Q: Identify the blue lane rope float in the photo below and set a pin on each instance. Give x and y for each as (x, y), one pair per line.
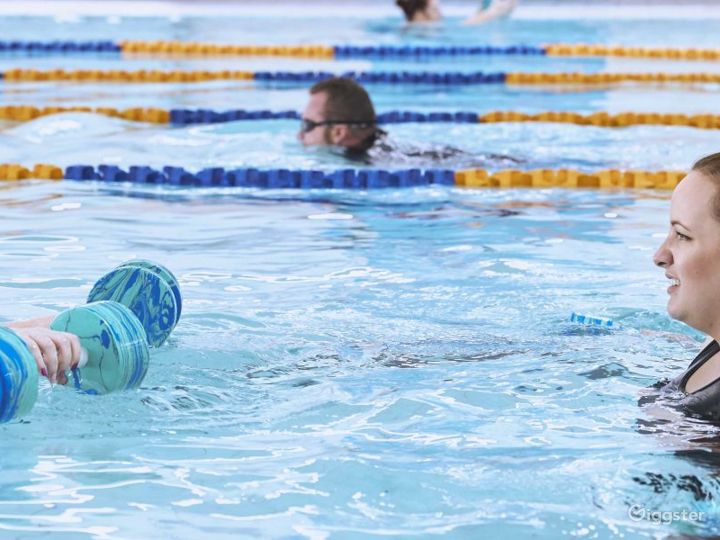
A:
(192, 49)
(424, 51)
(351, 178)
(380, 77)
(31, 48)
(258, 178)
(181, 117)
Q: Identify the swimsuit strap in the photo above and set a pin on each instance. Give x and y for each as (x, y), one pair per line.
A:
(703, 356)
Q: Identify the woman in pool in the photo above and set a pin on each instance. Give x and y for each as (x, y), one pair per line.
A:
(690, 255)
(55, 352)
(420, 11)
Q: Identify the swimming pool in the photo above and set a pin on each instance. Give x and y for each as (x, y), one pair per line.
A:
(356, 364)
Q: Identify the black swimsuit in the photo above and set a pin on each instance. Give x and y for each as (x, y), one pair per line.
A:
(704, 402)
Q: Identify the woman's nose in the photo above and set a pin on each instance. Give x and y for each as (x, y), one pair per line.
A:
(662, 257)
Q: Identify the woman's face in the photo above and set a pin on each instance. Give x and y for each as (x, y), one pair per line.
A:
(690, 256)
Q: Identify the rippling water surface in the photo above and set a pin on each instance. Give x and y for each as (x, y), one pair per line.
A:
(357, 365)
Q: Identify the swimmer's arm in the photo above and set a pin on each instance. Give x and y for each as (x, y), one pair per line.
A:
(493, 11)
(43, 322)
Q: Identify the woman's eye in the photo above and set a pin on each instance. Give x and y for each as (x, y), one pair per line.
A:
(681, 236)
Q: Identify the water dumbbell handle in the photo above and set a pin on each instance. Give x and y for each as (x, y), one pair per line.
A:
(83, 358)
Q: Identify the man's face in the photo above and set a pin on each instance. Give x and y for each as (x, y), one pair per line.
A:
(315, 111)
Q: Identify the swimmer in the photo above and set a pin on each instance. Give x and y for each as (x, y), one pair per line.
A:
(423, 11)
(340, 114)
(420, 11)
(689, 256)
(54, 352)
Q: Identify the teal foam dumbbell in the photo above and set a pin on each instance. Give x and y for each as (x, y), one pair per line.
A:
(131, 308)
(115, 352)
(18, 376)
(149, 290)
(114, 356)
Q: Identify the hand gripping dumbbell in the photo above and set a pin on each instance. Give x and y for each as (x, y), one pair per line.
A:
(113, 336)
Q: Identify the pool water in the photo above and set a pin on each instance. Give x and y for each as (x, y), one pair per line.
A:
(357, 364)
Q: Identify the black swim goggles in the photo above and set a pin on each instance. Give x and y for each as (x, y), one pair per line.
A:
(307, 125)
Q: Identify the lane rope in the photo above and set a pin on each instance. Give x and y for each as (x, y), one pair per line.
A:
(362, 179)
(131, 48)
(363, 77)
(184, 117)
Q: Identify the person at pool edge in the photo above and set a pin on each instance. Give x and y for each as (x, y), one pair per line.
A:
(54, 352)
(689, 256)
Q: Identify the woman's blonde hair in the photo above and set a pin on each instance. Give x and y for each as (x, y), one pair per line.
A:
(709, 167)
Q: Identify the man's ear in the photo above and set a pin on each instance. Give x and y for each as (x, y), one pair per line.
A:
(339, 134)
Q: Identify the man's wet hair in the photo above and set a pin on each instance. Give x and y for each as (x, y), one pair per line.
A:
(411, 7)
(349, 102)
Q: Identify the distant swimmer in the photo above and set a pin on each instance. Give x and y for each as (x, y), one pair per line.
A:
(423, 11)
(419, 11)
(340, 115)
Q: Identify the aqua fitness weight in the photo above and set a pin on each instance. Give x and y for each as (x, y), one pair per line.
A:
(162, 272)
(18, 376)
(150, 291)
(132, 307)
(115, 352)
(115, 356)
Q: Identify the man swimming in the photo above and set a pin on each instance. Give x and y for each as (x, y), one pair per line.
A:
(341, 115)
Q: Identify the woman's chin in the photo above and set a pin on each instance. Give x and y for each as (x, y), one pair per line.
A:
(674, 312)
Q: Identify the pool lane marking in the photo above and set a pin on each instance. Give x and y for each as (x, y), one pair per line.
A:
(174, 49)
(361, 179)
(368, 77)
(182, 117)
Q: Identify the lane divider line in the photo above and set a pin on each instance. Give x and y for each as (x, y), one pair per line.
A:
(185, 117)
(359, 179)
